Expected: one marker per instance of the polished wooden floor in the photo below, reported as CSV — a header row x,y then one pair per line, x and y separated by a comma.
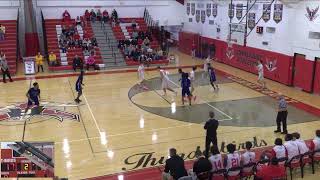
x,y
112,128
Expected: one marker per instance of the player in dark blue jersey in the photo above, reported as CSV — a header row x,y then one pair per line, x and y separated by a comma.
x,y
185,85
33,96
213,78
79,85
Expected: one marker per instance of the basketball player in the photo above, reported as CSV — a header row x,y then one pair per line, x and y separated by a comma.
x,y
260,74
216,159
165,81
213,79
79,85
33,96
248,157
232,159
141,71
185,85
206,64
192,78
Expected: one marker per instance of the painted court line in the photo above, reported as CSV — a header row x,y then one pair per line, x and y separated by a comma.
x,y
91,113
229,117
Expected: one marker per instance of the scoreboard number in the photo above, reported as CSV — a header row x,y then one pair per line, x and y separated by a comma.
x,y
26,167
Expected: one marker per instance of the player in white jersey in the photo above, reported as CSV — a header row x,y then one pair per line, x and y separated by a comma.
x,y
303,148
165,81
232,159
206,64
315,143
248,157
192,77
141,73
279,150
291,147
216,159
261,74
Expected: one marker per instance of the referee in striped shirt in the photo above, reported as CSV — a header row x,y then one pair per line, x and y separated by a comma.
x,y
282,115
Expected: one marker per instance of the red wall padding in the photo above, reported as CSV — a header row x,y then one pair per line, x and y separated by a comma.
x,y
316,82
185,42
303,73
32,44
246,58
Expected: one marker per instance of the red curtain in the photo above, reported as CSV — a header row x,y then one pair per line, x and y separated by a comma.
x,y
32,44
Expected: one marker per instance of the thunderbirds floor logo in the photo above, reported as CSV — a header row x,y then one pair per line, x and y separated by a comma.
x,y
16,112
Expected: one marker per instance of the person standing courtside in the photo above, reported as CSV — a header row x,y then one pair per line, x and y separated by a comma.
x,y
39,61
4,67
282,115
79,85
211,126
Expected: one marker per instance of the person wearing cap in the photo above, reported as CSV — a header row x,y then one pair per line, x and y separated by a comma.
x,y
282,115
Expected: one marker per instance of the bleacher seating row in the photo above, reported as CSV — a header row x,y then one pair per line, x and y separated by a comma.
x,y
9,45
52,27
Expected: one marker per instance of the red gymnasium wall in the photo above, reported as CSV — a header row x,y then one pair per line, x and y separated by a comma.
x,y
278,67
316,84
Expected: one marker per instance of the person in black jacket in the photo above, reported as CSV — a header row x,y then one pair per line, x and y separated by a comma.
x,y
174,166
211,126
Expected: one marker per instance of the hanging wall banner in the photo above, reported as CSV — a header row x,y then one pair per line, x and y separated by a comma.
x,y
266,14
198,16
188,9
231,11
214,10
203,16
277,13
239,9
208,10
193,9
251,20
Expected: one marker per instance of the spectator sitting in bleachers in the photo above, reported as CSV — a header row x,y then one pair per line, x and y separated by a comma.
x,y
72,30
66,16
303,148
291,146
87,15
94,41
86,53
141,35
77,40
91,62
135,54
105,16
2,32
248,157
85,35
99,15
93,16
78,21
146,41
77,63
64,30
232,159
133,24
71,43
272,171
52,59
135,34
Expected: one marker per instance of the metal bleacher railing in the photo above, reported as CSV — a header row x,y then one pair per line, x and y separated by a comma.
x,y
108,40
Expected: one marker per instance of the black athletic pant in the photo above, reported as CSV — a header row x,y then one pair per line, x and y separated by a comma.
x,y
282,118
210,140
40,66
4,73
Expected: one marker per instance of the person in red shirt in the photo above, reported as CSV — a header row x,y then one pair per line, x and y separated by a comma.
x,y
66,16
272,171
193,50
87,15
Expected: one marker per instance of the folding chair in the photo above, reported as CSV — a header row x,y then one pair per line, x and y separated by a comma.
x,y
315,158
248,170
219,174
293,163
235,173
282,161
305,158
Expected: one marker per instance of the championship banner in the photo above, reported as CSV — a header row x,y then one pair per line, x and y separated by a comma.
x,y
193,9
208,10
214,10
198,16
29,65
203,16
231,11
277,13
266,14
251,20
239,9
188,9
